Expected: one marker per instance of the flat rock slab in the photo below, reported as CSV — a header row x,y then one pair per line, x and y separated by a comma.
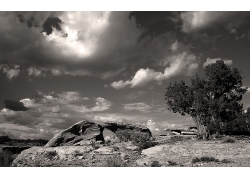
x,y
104,151
152,151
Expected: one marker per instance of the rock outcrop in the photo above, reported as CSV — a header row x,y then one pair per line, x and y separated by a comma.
x,y
90,131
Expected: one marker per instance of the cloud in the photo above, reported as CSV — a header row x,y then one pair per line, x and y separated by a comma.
x,y
142,107
10,72
136,94
15,105
152,126
194,21
102,44
184,63
33,71
211,61
101,104
52,112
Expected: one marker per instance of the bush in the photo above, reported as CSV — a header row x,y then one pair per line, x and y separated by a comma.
x,y
116,148
124,135
172,163
51,154
142,140
225,161
205,159
6,158
155,164
229,139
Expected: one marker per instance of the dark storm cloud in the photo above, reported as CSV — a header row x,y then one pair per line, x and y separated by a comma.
x,y
15,105
80,43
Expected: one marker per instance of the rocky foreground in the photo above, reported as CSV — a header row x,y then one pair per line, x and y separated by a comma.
x,y
84,149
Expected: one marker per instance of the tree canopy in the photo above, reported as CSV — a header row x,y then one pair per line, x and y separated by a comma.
x,y
212,99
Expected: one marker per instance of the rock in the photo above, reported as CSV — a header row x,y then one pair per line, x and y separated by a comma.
x,y
152,151
83,143
90,131
104,151
116,126
130,146
83,130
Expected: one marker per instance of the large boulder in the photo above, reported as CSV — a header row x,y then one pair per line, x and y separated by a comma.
x,y
83,130
90,131
116,126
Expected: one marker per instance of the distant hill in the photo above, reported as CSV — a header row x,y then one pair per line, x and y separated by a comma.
x,y
7,141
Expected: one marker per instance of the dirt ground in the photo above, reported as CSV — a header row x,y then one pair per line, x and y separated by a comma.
x,y
182,153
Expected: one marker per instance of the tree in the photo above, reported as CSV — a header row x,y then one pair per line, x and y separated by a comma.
x,y
214,99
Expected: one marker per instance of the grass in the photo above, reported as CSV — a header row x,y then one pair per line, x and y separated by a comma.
x,y
114,161
229,139
204,159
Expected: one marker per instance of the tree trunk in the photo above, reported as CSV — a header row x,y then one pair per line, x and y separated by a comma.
x,y
202,130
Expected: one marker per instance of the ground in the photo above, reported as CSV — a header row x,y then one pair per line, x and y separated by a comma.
x,y
169,152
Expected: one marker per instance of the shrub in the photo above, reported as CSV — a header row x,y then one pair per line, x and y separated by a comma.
x,y
142,140
155,164
114,161
225,161
229,139
51,154
116,148
95,144
124,135
6,158
205,159
172,163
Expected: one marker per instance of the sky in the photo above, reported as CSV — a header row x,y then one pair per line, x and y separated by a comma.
x,y
109,66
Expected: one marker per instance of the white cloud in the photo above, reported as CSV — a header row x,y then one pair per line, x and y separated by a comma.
x,y
157,129
214,60
33,71
10,72
101,104
151,125
136,94
54,111
200,19
174,46
194,21
27,102
184,63
142,107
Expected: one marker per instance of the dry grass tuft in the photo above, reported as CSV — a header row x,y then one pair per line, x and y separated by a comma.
x,y
229,139
204,159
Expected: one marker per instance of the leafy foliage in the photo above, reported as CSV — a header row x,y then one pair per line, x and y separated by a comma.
x,y
51,154
142,140
211,100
